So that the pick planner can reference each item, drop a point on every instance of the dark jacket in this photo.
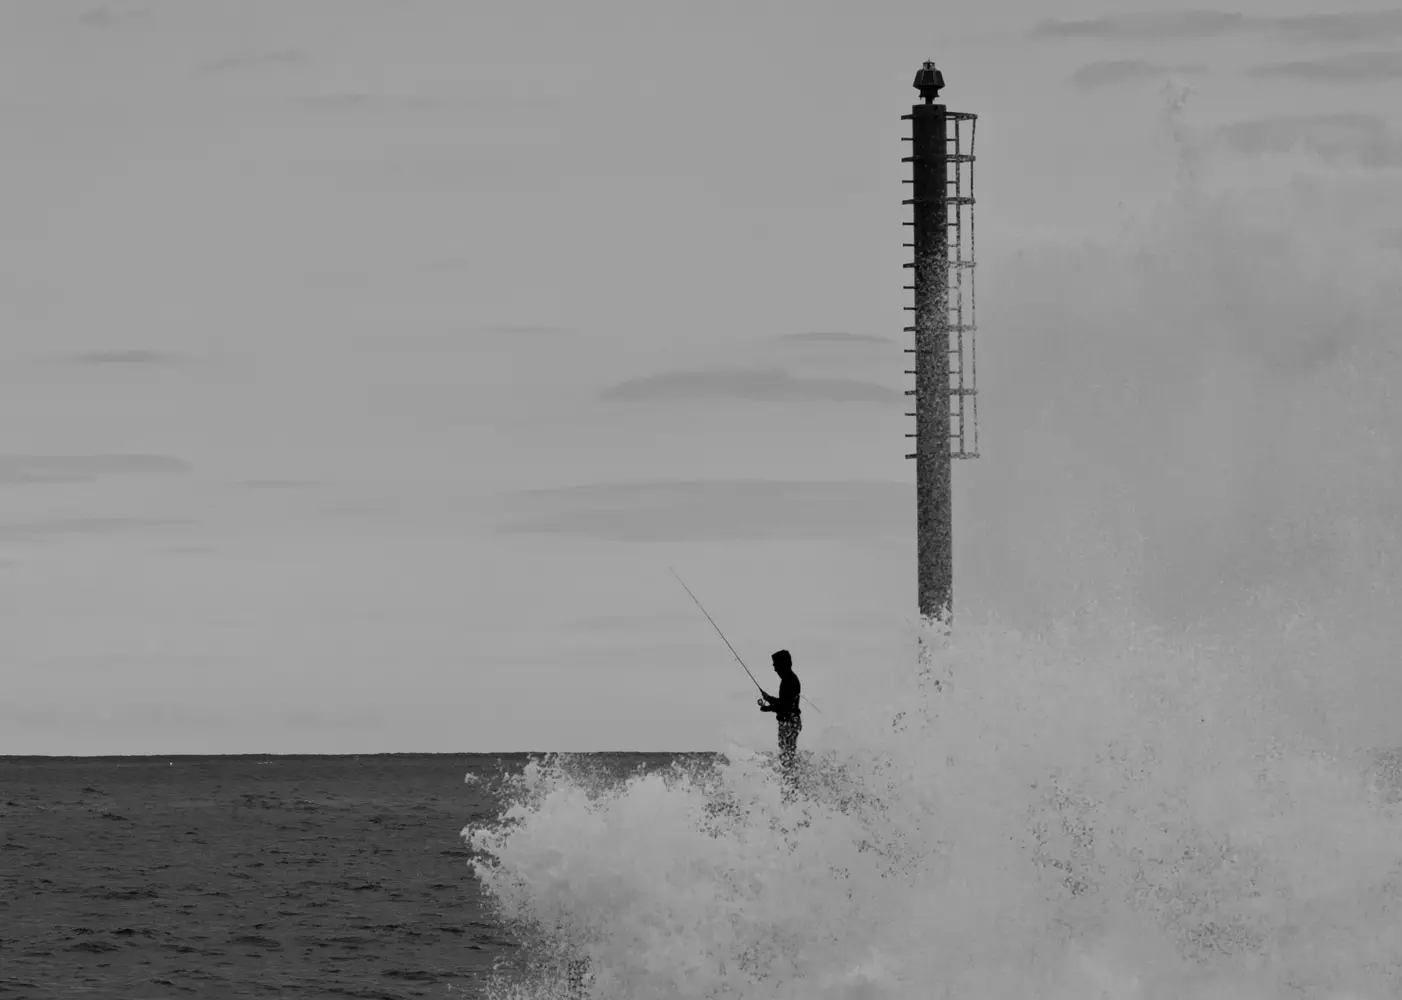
(786, 706)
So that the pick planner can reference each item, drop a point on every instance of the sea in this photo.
(253, 876)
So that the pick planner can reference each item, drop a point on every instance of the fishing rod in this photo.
(727, 641)
(716, 627)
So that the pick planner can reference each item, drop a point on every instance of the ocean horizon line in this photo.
(31, 758)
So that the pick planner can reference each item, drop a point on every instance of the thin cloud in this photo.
(1146, 26)
(770, 385)
(27, 469)
(52, 527)
(1351, 67)
(362, 101)
(1356, 26)
(462, 339)
(1365, 140)
(255, 60)
(277, 484)
(526, 330)
(488, 102)
(125, 364)
(109, 17)
(189, 550)
(836, 337)
(629, 624)
(1113, 72)
(1200, 24)
(718, 510)
(138, 356)
(506, 166)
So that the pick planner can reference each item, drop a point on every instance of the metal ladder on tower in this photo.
(963, 357)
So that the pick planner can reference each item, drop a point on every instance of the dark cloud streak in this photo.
(277, 484)
(526, 330)
(1112, 72)
(50, 527)
(255, 61)
(1203, 24)
(718, 510)
(1352, 67)
(771, 385)
(107, 18)
(836, 337)
(465, 339)
(1151, 25)
(27, 469)
(1362, 139)
(1354, 26)
(480, 103)
(136, 356)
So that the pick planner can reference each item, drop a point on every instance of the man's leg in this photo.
(575, 973)
(788, 748)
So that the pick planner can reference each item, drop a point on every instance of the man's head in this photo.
(783, 662)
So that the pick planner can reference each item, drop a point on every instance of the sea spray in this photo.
(1197, 430)
(1095, 811)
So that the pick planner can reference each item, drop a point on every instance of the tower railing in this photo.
(962, 323)
(963, 371)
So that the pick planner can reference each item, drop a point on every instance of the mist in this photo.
(1193, 422)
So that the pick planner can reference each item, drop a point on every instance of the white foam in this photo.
(1099, 808)
(1105, 816)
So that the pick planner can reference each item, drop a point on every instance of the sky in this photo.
(366, 365)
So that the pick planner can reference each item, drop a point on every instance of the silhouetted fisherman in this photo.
(786, 710)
